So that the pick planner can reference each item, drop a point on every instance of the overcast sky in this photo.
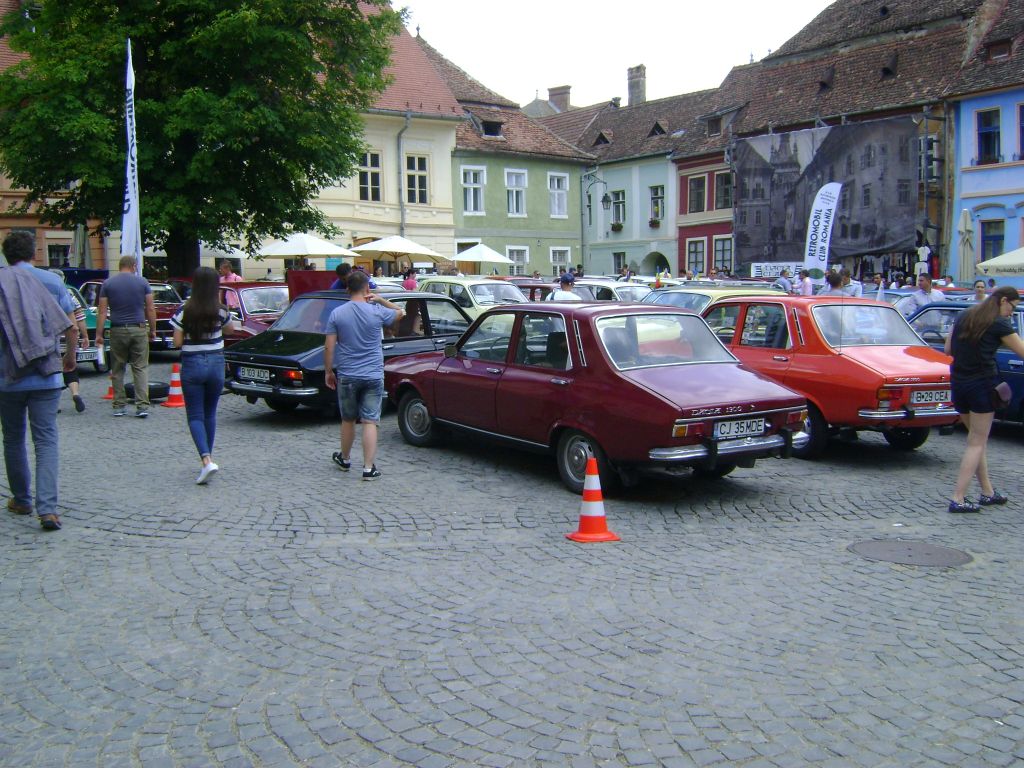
(521, 48)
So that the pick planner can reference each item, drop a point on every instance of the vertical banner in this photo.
(819, 230)
(131, 235)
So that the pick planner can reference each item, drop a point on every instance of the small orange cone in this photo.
(175, 399)
(110, 392)
(593, 526)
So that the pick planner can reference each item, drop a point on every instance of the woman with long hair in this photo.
(198, 332)
(976, 335)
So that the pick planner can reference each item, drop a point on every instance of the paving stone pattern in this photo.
(289, 614)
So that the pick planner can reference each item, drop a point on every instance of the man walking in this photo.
(35, 309)
(357, 373)
(132, 324)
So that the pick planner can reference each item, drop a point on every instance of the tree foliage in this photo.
(245, 110)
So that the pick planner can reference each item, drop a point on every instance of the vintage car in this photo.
(474, 294)
(609, 290)
(857, 361)
(92, 353)
(696, 297)
(284, 365)
(934, 322)
(636, 387)
(254, 307)
(166, 300)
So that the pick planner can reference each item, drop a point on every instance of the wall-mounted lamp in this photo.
(606, 199)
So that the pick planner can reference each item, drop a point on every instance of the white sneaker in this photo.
(206, 473)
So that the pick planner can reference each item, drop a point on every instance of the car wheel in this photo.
(158, 390)
(281, 406)
(720, 470)
(817, 429)
(574, 449)
(906, 438)
(415, 422)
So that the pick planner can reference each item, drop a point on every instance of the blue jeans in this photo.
(202, 381)
(40, 406)
(360, 399)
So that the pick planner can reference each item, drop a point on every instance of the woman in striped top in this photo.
(198, 331)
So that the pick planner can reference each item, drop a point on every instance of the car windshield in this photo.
(272, 298)
(861, 325)
(307, 314)
(632, 292)
(683, 299)
(650, 340)
(498, 293)
(164, 294)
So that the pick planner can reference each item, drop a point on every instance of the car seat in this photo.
(558, 350)
(619, 345)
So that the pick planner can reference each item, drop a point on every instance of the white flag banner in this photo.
(131, 227)
(819, 230)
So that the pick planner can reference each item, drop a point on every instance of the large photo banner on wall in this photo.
(779, 176)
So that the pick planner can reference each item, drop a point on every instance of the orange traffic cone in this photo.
(175, 399)
(593, 526)
(110, 392)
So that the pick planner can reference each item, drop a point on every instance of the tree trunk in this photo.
(182, 253)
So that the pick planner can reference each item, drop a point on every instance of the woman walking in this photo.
(976, 335)
(198, 328)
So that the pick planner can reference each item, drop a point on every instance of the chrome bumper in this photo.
(904, 414)
(765, 443)
(252, 388)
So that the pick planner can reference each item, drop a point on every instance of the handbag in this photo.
(1001, 395)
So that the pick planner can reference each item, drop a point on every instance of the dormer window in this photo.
(714, 126)
(657, 130)
(889, 68)
(825, 81)
(492, 127)
(883, 12)
(1000, 49)
(602, 139)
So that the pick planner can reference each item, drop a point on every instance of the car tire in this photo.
(906, 438)
(817, 429)
(574, 448)
(158, 390)
(716, 472)
(415, 422)
(281, 406)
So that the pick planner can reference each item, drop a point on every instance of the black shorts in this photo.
(974, 395)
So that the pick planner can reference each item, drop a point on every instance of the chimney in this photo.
(559, 97)
(636, 80)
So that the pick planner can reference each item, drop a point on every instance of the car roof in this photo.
(253, 284)
(807, 301)
(584, 309)
(465, 280)
(716, 292)
(339, 293)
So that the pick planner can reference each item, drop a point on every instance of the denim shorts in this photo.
(360, 398)
(974, 395)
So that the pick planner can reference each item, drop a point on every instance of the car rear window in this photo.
(649, 340)
(683, 299)
(307, 315)
(270, 299)
(165, 295)
(862, 325)
(498, 293)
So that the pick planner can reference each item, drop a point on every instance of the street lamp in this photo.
(606, 199)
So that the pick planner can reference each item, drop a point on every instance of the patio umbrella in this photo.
(481, 253)
(1009, 264)
(965, 231)
(301, 244)
(394, 247)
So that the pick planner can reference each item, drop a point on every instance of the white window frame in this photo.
(568, 256)
(657, 201)
(371, 172)
(478, 186)
(689, 198)
(618, 206)
(558, 195)
(518, 268)
(704, 254)
(618, 261)
(516, 194)
(417, 174)
(715, 239)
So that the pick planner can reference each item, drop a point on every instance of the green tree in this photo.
(245, 110)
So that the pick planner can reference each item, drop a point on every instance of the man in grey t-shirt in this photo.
(129, 300)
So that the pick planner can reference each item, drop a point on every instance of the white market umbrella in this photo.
(482, 253)
(301, 244)
(394, 247)
(965, 234)
(1009, 264)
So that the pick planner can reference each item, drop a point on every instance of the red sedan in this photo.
(254, 307)
(635, 386)
(857, 361)
(165, 299)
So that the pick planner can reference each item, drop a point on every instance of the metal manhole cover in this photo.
(910, 552)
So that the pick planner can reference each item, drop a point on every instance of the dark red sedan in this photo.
(254, 306)
(635, 386)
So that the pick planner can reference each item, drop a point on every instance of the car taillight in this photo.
(292, 375)
(693, 429)
(889, 398)
(796, 417)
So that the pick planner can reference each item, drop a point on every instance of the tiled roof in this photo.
(629, 129)
(729, 100)
(520, 135)
(464, 87)
(983, 73)
(848, 20)
(571, 125)
(7, 56)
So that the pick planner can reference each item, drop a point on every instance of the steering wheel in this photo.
(932, 336)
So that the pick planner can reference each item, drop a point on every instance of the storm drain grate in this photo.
(910, 553)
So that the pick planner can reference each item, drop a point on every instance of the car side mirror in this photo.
(450, 350)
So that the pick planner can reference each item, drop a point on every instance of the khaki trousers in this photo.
(130, 346)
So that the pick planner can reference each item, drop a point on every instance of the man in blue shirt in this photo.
(34, 395)
(355, 329)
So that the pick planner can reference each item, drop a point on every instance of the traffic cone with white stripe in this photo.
(175, 398)
(593, 526)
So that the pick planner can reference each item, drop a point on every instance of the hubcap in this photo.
(417, 418)
(577, 452)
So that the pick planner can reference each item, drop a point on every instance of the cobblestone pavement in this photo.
(289, 614)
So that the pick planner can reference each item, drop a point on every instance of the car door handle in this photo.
(560, 382)
(494, 370)
(389, 346)
(1016, 363)
(780, 358)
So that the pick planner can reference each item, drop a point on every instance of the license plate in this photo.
(256, 374)
(930, 396)
(85, 355)
(743, 428)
